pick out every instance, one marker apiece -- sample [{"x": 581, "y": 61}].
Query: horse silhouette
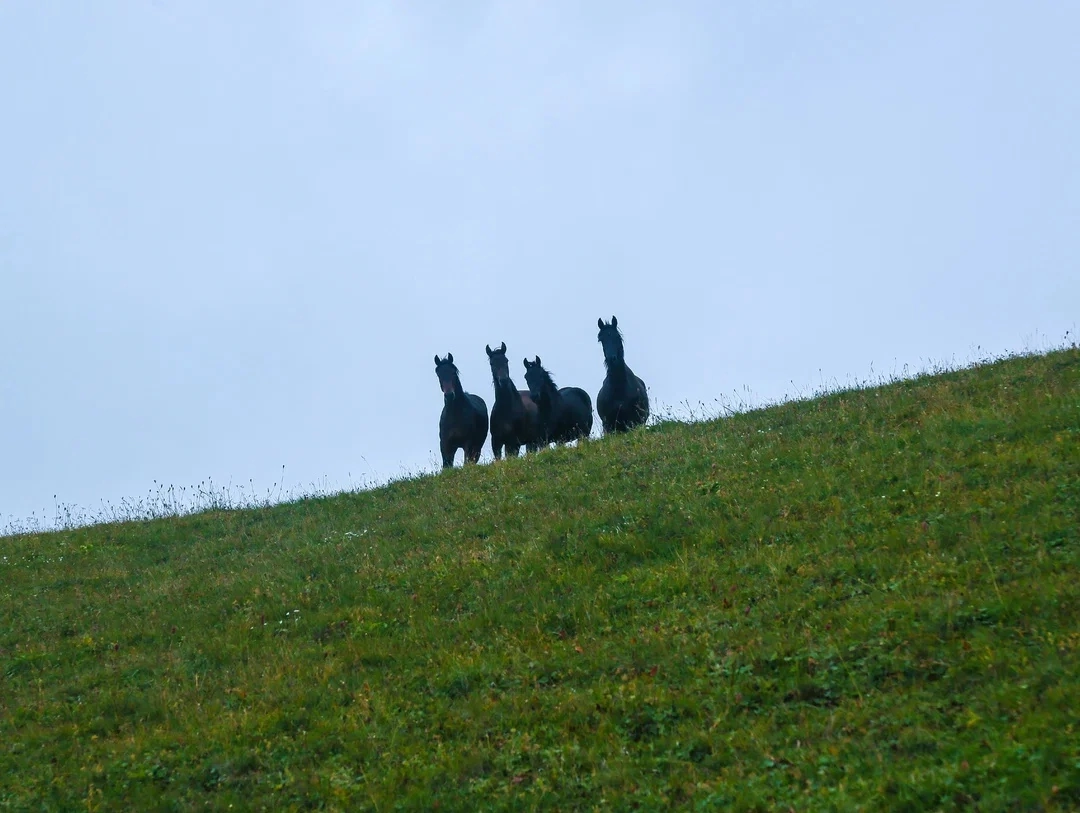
[
  {"x": 565, "y": 414},
  {"x": 464, "y": 420},
  {"x": 623, "y": 402},
  {"x": 515, "y": 418}
]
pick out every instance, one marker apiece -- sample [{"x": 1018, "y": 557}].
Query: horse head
[
  {"x": 611, "y": 340},
  {"x": 537, "y": 378},
  {"x": 448, "y": 375},
  {"x": 500, "y": 366}
]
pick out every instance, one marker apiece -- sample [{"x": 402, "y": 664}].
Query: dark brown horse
[
  {"x": 565, "y": 414},
  {"x": 623, "y": 402},
  {"x": 464, "y": 420},
  {"x": 515, "y": 419}
]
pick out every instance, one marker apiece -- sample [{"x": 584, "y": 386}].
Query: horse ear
[
  {"x": 526, "y": 363},
  {"x": 614, "y": 322},
  {"x": 537, "y": 361},
  {"x": 450, "y": 357},
  {"x": 436, "y": 359},
  {"x": 503, "y": 349},
  {"x": 600, "y": 323},
  {"x": 488, "y": 348}
]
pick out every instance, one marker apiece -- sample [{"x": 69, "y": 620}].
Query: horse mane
[
  {"x": 549, "y": 378},
  {"x": 547, "y": 381}
]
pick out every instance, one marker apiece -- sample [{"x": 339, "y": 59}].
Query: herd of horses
[{"x": 542, "y": 414}]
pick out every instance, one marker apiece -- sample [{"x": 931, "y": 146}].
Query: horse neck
[
  {"x": 618, "y": 372},
  {"x": 506, "y": 392},
  {"x": 549, "y": 394}
]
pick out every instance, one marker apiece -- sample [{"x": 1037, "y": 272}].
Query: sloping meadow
[{"x": 865, "y": 600}]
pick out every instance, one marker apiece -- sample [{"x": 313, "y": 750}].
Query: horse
[
  {"x": 565, "y": 414},
  {"x": 464, "y": 420},
  {"x": 623, "y": 402},
  {"x": 515, "y": 418}
]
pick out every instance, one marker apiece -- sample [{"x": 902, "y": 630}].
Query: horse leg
[
  {"x": 448, "y": 452},
  {"x": 512, "y": 451},
  {"x": 496, "y": 448},
  {"x": 472, "y": 453}
]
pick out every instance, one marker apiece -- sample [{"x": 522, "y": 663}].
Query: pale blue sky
[{"x": 233, "y": 235}]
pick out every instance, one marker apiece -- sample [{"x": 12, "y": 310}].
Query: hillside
[{"x": 864, "y": 601}]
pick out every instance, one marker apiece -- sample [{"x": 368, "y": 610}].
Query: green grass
[{"x": 864, "y": 601}]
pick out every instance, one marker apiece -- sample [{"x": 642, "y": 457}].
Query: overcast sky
[{"x": 233, "y": 235}]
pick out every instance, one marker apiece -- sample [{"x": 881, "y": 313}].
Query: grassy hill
[{"x": 870, "y": 600}]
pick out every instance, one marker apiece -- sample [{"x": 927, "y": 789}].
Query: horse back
[
  {"x": 578, "y": 397},
  {"x": 531, "y": 407},
  {"x": 576, "y": 417},
  {"x": 637, "y": 386},
  {"x": 478, "y": 405}
]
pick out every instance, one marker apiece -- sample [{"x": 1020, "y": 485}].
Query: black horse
[
  {"x": 515, "y": 419},
  {"x": 464, "y": 420},
  {"x": 623, "y": 402},
  {"x": 565, "y": 414}
]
